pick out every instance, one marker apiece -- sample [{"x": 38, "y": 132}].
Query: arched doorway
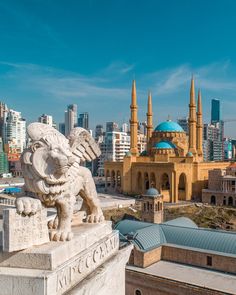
[
  {"x": 146, "y": 181},
  {"x": 165, "y": 187},
  {"x": 152, "y": 180},
  {"x": 139, "y": 183},
  {"x": 230, "y": 201},
  {"x": 182, "y": 192},
  {"x": 224, "y": 201},
  {"x": 213, "y": 200}
]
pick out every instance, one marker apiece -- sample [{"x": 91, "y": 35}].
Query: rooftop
[
  {"x": 164, "y": 145},
  {"x": 169, "y": 126},
  {"x": 212, "y": 280},
  {"x": 181, "y": 232}
]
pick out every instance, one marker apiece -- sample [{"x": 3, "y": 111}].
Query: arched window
[
  {"x": 138, "y": 292},
  {"x": 144, "y": 206},
  {"x": 156, "y": 207},
  {"x": 146, "y": 181},
  {"x": 165, "y": 183}
]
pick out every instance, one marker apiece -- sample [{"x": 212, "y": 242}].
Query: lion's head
[{"x": 50, "y": 152}]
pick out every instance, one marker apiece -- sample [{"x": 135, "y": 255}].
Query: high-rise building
[
  {"x": 183, "y": 122},
  {"x": 4, "y": 165},
  {"x": 212, "y": 143},
  {"x": 228, "y": 149},
  {"x": 215, "y": 111},
  {"x": 70, "y": 118},
  {"x": 14, "y": 129},
  {"x": 112, "y": 126},
  {"x": 98, "y": 131},
  {"x": 62, "y": 128},
  {"x": 83, "y": 120},
  {"x": 124, "y": 128},
  {"x": 3, "y": 109},
  {"x": 117, "y": 145},
  {"x": 46, "y": 119}
]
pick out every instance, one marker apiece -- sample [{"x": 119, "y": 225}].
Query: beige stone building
[
  {"x": 221, "y": 187},
  {"x": 172, "y": 163}
]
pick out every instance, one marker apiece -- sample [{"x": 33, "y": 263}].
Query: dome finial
[{"x": 168, "y": 118}]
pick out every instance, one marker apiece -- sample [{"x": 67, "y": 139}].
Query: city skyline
[{"x": 92, "y": 63}]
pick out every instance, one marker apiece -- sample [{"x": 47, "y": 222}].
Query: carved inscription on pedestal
[
  {"x": 21, "y": 232},
  {"x": 86, "y": 262}
]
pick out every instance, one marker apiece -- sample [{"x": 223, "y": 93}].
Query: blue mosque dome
[
  {"x": 169, "y": 126},
  {"x": 189, "y": 154},
  {"x": 152, "y": 192},
  {"x": 164, "y": 145}
]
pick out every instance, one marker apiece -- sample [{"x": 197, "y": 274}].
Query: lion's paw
[
  {"x": 95, "y": 217},
  {"x": 28, "y": 206},
  {"x": 53, "y": 224},
  {"x": 60, "y": 236}
]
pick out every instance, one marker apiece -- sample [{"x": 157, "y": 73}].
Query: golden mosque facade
[{"x": 172, "y": 163}]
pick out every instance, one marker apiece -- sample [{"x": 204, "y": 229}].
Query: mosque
[{"x": 172, "y": 162}]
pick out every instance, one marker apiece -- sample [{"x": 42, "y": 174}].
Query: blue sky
[{"x": 53, "y": 53}]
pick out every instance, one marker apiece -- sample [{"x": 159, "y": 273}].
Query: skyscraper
[
  {"x": 183, "y": 122},
  {"x": 215, "y": 111},
  {"x": 83, "y": 120},
  {"x": 98, "y": 131},
  {"x": 70, "y": 118},
  {"x": 14, "y": 130},
  {"x": 46, "y": 119},
  {"x": 62, "y": 128},
  {"x": 112, "y": 126}
]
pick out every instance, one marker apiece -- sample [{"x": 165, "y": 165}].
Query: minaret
[
  {"x": 199, "y": 124},
  {"x": 192, "y": 120},
  {"x": 149, "y": 117},
  {"x": 134, "y": 122}
]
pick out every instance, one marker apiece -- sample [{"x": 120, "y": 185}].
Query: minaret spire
[
  {"x": 199, "y": 124},
  {"x": 192, "y": 119},
  {"x": 149, "y": 117},
  {"x": 134, "y": 121}
]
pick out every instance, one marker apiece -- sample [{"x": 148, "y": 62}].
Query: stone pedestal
[{"x": 88, "y": 261}]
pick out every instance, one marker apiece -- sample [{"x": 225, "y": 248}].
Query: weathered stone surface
[
  {"x": 21, "y": 232},
  {"x": 106, "y": 279},
  {"x": 53, "y": 254},
  {"x": 53, "y": 175},
  {"x": 16, "y": 281}
]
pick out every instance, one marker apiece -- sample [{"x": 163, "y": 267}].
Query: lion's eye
[{"x": 56, "y": 150}]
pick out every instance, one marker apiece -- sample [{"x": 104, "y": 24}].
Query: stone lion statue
[{"x": 55, "y": 178}]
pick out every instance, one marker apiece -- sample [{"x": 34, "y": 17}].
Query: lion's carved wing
[{"x": 83, "y": 146}]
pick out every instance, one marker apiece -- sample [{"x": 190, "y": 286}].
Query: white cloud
[{"x": 106, "y": 94}]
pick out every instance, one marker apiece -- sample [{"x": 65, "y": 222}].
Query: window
[
  {"x": 138, "y": 292},
  {"x": 209, "y": 260}
]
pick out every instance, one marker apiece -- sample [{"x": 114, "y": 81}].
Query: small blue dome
[
  {"x": 128, "y": 154},
  {"x": 164, "y": 145},
  {"x": 152, "y": 192},
  {"x": 169, "y": 126},
  {"x": 189, "y": 154}
]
